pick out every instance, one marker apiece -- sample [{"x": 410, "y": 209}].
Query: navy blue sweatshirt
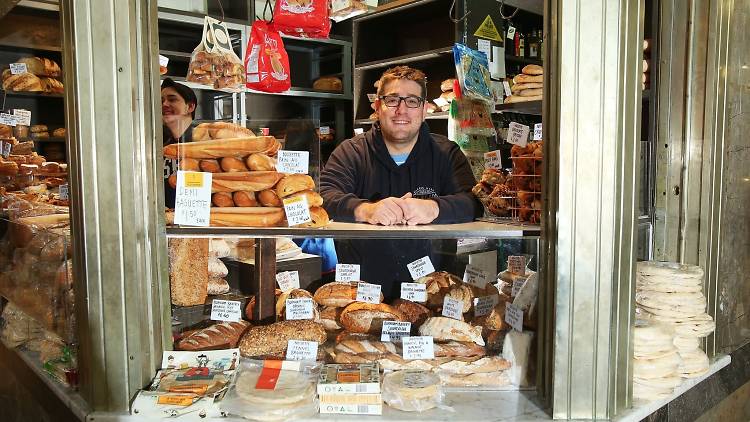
[{"x": 361, "y": 170}]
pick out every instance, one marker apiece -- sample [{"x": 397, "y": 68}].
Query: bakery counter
[{"x": 368, "y": 231}]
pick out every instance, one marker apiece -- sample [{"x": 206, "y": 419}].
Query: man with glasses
[{"x": 397, "y": 173}]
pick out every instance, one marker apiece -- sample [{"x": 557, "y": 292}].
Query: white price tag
[
  {"x": 537, "y": 132},
  {"x": 415, "y": 292},
  {"x": 358, "y": 131},
  {"x": 485, "y": 46},
  {"x": 418, "y": 347},
  {"x": 484, "y": 305},
  {"x": 395, "y": 330},
  {"x": 18, "y": 68},
  {"x": 64, "y": 192},
  {"x": 8, "y": 119},
  {"x": 476, "y": 276},
  {"x": 6, "y": 148},
  {"x": 297, "y": 210},
  {"x": 518, "y": 134},
  {"x": 163, "y": 61},
  {"x": 441, "y": 102},
  {"x": 193, "y": 198},
  {"x": 23, "y": 117},
  {"x": 325, "y": 130},
  {"x": 420, "y": 267},
  {"x": 492, "y": 160},
  {"x": 511, "y": 32},
  {"x": 348, "y": 272},
  {"x": 226, "y": 310},
  {"x": 369, "y": 293},
  {"x": 517, "y": 284},
  {"x": 453, "y": 308},
  {"x": 517, "y": 264},
  {"x": 506, "y": 88},
  {"x": 302, "y": 350},
  {"x": 299, "y": 308},
  {"x": 372, "y": 97},
  {"x": 288, "y": 280},
  {"x": 514, "y": 316},
  {"x": 293, "y": 161}
]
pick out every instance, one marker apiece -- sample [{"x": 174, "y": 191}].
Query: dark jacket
[
  {"x": 170, "y": 165},
  {"x": 362, "y": 170}
]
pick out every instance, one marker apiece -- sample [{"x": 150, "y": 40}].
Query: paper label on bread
[
  {"x": 347, "y": 272},
  {"x": 368, "y": 293},
  {"x": 297, "y": 210},
  {"x": 419, "y": 347},
  {"x": 302, "y": 350},
  {"x": 420, "y": 267},
  {"x": 193, "y": 198},
  {"x": 288, "y": 280},
  {"x": 226, "y": 310},
  {"x": 415, "y": 292},
  {"x": 293, "y": 161}
]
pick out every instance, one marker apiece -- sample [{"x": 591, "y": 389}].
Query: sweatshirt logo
[{"x": 423, "y": 192}]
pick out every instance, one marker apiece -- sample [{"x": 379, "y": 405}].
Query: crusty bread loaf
[
  {"x": 362, "y": 317},
  {"x": 23, "y": 82},
  {"x": 293, "y": 183},
  {"x": 413, "y": 312},
  {"x": 260, "y": 162},
  {"x": 337, "y": 294},
  {"x": 223, "y": 335},
  {"x": 329, "y": 317},
  {"x": 495, "y": 320},
  {"x": 294, "y": 294},
  {"x": 220, "y": 130},
  {"x": 248, "y": 181},
  {"x": 272, "y": 339},
  {"x": 328, "y": 83},
  {"x": 446, "y": 329},
  {"x": 438, "y": 284},
  {"x": 41, "y": 66},
  {"x": 188, "y": 271},
  {"x": 232, "y": 147},
  {"x": 52, "y": 85},
  {"x": 246, "y": 216},
  {"x": 217, "y": 286}
]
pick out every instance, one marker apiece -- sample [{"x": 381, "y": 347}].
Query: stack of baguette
[
  {"x": 41, "y": 76},
  {"x": 247, "y": 189},
  {"x": 528, "y": 85}
]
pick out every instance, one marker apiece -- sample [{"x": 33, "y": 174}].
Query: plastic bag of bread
[
  {"x": 266, "y": 60},
  {"x": 473, "y": 73},
  {"x": 302, "y": 18},
  {"x": 213, "y": 61}
]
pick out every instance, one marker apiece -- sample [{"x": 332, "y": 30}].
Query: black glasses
[{"x": 395, "y": 101}]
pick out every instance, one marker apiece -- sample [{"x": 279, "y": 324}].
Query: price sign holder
[
  {"x": 288, "y": 280},
  {"x": 514, "y": 316},
  {"x": 348, "y": 272},
  {"x": 394, "y": 330}
]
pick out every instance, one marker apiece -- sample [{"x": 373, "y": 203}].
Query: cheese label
[
  {"x": 476, "y": 276},
  {"x": 348, "y": 272},
  {"x": 193, "y": 198},
  {"x": 518, "y": 134},
  {"x": 8, "y": 119},
  {"x": 517, "y": 264},
  {"x": 395, "y": 330},
  {"x": 226, "y": 310},
  {"x": 358, "y": 131},
  {"x": 506, "y": 88},
  {"x": 537, "y": 132},
  {"x": 492, "y": 160},
  {"x": 514, "y": 316},
  {"x": 293, "y": 161},
  {"x": 453, "y": 308},
  {"x": 484, "y": 305},
  {"x": 302, "y": 350},
  {"x": 420, "y": 268},
  {"x": 325, "y": 130},
  {"x": 517, "y": 284},
  {"x": 420, "y": 347},
  {"x": 441, "y": 102},
  {"x": 163, "y": 60},
  {"x": 5, "y": 148},
  {"x": 299, "y": 308},
  {"x": 18, "y": 68},
  {"x": 415, "y": 292},
  {"x": 288, "y": 280},
  {"x": 23, "y": 117},
  {"x": 368, "y": 293},
  {"x": 64, "y": 192},
  {"x": 297, "y": 210}
]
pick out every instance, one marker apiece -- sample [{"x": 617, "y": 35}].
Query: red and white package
[
  {"x": 302, "y": 18},
  {"x": 266, "y": 60}
]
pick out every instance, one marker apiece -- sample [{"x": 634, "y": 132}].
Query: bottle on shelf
[
  {"x": 516, "y": 43},
  {"x": 521, "y": 45},
  {"x": 533, "y": 43}
]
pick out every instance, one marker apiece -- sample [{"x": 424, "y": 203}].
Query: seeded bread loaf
[
  {"x": 271, "y": 340},
  {"x": 188, "y": 272}
]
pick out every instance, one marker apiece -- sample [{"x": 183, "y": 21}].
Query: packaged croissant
[{"x": 213, "y": 62}]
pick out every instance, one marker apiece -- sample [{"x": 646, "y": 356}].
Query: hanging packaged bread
[{"x": 213, "y": 62}]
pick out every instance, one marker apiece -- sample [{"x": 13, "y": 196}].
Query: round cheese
[{"x": 412, "y": 390}]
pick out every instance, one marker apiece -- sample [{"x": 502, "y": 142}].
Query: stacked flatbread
[
  {"x": 527, "y": 85},
  {"x": 655, "y": 362},
  {"x": 671, "y": 293}
]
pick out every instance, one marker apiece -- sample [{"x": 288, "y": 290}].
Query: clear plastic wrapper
[
  {"x": 413, "y": 391},
  {"x": 473, "y": 73},
  {"x": 266, "y": 60},
  {"x": 213, "y": 61}
]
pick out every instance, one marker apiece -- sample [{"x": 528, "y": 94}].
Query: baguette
[
  {"x": 224, "y": 335},
  {"x": 246, "y": 216},
  {"x": 368, "y": 318},
  {"x": 232, "y": 164},
  {"x": 268, "y": 198},
  {"x": 248, "y": 181},
  {"x": 260, "y": 162},
  {"x": 189, "y": 164},
  {"x": 232, "y": 147},
  {"x": 244, "y": 199},
  {"x": 293, "y": 183},
  {"x": 222, "y": 199},
  {"x": 524, "y": 79},
  {"x": 209, "y": 166},
  {"x": 272, "y": 339}
]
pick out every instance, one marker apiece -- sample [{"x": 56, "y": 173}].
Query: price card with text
[
  {"x": 193, "y": 198},
  {"x": 293, "y": 161},
  {"x": 538, "y": 132},
  {"x": 441, "y": 102},
  {"x": 506, "y": 88},
  {"x": 288, "y": 280},
  {"x": 358, "y": 131},
  {"x": 325, "y": 130},
  {"x": 226, "y": 310},
  {"x": 421, "y": 347},
  {"x": 517, "y": 284},
  {"x": 64, "y": 192},
  {"x": 484, "y": 305},
  {"x": 517, "y": 264},
  {"x": 23, "y": 117},
  {"x": 453, "y": 308},
  {"x": 5, "y": 148},
  {"x": 369, "y": 293},
  {"x": 163, "y": 60},
  {"x": 420, "y": 267},
  {"x": 18, "y": 68},
  {"x": 301, "y": 350},
  {"x": 299, "y": 308},
  {"x": 415, "y": 292},
  {"x": 492, "y": 160},
  {"x": 347, "y": 272},
  {"x": 470, "y": 241},
  {"x": 297, "y": 210},
  {"x": 476, "y": 276},
  {"x": 8, "y": 119},
  {"x": 518, "y": 134},
  {"x": 514, "y": 316},
  {"x": 395, "y": 330}
]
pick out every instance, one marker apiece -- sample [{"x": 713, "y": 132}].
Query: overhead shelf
[
  {"x": 294, "y": 92},
  {"x": 408, "y": 58},
  {"x": 332, "y": 40},
  {"x": 368, "y": 231},
  {"x": 529, "y": 107},
  {"x": 533, "y": 6},
  {"x": 32, "y": 94}
]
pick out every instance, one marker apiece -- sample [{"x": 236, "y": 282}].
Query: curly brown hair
[{"x": 403, "y": 72}]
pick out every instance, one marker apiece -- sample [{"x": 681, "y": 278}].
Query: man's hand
[
  {"x": 419, "y": 211},
  {"x": 386, "y": 212}
]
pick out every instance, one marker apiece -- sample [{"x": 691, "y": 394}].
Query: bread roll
[
  {"x": 210, "y": 166},
  {"x": 268, "y": 198},
  {"x": 537, "y": 92},
  {"x": 412, "y": 311},
  {"x": 524, "y": 79},
  {"x": 38, "y": 128},
  {"x": 293, "y": 183},
  {"x": 244, "y": 199},
  {"x": 368, "y": 318},
  {"x": 520, "y": 87},
  {"x": 246, "y": 216},
  {"x": 188, "y": 271},
  {"x": 337, "y": 294},
  {"x": 328, "y": 83},
  {"x": 260, "y": 162},
  {"x": 248, "y": 181},
  {"x": 232, "y": 164},
  {"x": 447, "y": 85},
  {"x": 222, "y": 199},
  {"x": 532, "y": 69},
  {"x": 273, "y": 339},
  {"x": 313, "y": 198},
  {"x": 236, "y": 147},
  {"x": 190, "y": 164}
]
